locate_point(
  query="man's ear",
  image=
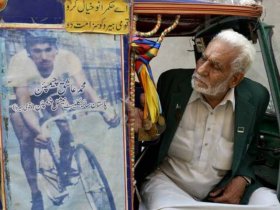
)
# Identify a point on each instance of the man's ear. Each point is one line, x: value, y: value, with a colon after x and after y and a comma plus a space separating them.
x: 236, y: 79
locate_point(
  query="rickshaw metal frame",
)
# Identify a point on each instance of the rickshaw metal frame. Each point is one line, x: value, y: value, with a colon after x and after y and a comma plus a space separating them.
x: 264, y: 35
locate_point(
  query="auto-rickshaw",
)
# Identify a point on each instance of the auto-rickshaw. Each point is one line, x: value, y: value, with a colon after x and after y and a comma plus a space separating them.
x: 182, y: 28
x: 196, y: 22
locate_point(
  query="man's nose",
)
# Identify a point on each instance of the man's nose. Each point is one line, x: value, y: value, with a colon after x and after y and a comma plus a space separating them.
x: 44, y: 55
x: 203, y: 69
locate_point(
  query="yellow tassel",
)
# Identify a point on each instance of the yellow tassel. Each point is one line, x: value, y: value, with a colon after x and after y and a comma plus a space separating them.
x: 152, y: 104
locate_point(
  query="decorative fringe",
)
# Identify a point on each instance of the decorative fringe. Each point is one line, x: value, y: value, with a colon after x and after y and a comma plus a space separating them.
x: 145, y: 50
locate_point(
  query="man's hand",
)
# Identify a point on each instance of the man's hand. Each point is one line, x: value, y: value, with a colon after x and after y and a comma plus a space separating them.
x: 41, y: 137
x: 231, y: 193
x: 136, y: 113
x: 41, y: 140
x: 112, y: 119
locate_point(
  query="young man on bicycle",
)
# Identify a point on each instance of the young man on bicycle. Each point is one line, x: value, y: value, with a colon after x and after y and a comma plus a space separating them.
x: 42, y: 76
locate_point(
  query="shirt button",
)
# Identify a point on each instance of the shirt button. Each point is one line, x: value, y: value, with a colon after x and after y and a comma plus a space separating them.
x: 211, y: 113
x: 206, y: 144
x: 208, y: 129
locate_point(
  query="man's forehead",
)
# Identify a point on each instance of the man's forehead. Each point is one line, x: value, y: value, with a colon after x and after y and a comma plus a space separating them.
x: 41, y: 45
x: 219, y: 50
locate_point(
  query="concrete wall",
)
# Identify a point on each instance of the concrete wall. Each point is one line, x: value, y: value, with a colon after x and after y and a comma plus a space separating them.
x: 271, y: 16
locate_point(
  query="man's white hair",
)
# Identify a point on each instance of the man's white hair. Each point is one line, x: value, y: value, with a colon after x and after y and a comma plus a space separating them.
x: 247, y: 50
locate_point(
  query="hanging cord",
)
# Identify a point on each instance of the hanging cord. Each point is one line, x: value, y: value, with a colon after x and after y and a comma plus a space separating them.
x: 169, y: 29
x: 145, y: 50
x: 150, y: 33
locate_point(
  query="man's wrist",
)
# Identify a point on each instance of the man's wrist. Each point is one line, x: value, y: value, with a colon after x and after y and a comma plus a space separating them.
x: 247, y: 179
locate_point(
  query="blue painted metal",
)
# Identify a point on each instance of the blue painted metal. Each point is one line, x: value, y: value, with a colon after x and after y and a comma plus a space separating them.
x: 33, y: 11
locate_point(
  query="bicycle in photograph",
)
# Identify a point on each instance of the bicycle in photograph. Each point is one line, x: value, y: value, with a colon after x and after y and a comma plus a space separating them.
x: 85, y: 170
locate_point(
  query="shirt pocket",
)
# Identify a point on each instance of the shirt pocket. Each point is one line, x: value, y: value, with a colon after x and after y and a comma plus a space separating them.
x: 223, y: 155
x: 182, y: 145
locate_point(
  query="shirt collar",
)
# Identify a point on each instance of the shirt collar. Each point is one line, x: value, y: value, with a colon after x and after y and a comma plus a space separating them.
x: 228, y: 97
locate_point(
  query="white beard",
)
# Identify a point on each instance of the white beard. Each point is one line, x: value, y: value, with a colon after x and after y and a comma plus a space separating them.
x: 209, y: 90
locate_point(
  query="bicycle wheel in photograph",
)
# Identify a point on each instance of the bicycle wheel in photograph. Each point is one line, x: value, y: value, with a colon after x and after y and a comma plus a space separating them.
x: 93, y: 180
x: 50, y: 177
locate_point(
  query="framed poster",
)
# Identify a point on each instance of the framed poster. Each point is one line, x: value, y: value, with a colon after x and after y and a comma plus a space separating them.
x: 63, y: 135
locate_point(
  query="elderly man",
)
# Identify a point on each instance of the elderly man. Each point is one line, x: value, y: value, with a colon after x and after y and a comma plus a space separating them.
x: 207, y: 150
